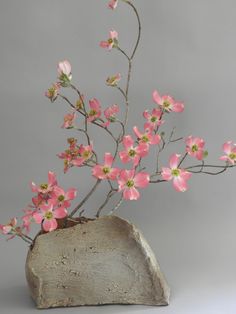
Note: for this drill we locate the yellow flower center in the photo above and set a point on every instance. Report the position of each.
(166, 104)
(130, 183)
(86, 154)
(48, 215)
(110, 41)
(153, 119)
(106, 170)
(175, 172)
(92, 113)
(44, 186)
(132, 153)
(61, 198)
(194, 148)
(232, 156)
(145, 139)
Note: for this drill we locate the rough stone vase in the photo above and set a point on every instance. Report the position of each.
(103, 261)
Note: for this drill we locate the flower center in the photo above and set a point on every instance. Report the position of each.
(132, 153)
(194, 148)
(61, 198)
(145, 139)
(86, 154)
(48, 215)
(92, 112)
(110, 41)
(175, 172)
(232, 156)
(106, 170)
(166, 104)
(130, 183)
(44, 186)
(153, 119)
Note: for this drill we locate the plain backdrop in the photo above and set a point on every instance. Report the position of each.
(187, 49)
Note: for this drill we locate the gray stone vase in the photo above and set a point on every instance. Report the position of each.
(102, 261)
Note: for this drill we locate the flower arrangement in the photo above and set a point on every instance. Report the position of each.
(50, 207)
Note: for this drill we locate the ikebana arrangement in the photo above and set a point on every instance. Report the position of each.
(50, 207)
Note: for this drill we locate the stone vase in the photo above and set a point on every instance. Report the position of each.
(102, 261)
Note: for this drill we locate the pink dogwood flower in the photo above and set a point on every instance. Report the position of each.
(85, 152)
(106, 171)
(195, 147)
(62, 198)
(179, 176)
(69, 120)
(110, 114)
(28, 219)
(154, 119)
(64, 72)
(147, 137)
(95, 110)
(10, 227)
(48, 217)
(129, 182)
(229, 149)
(53, 92)
(112, 4)
(112, 41)
(45, 188)
(132, 153)
(113, 80)
(167, 103)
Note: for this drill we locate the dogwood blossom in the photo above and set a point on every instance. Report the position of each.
(64, 72)
(129, 182)
(69, 120)
(229, 149)
(53, 92)
(131, 152)
(110, 114)
(106, 171)
(112, 4)
(147, 137)
(45, 188)
(179, 176)
(113, 80)
(95, 110)
(167, 103)
(195, 147)
(111, 42)
(48, 216)
(154, 119)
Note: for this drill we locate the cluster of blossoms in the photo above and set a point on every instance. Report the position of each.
(50, 203)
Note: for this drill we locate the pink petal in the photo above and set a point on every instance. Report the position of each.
(179, 184)
(49, 225)
(142, 179)
(128, 142)
(156, 97)
(38, 217)
(178, 107)
(104, 44)
(155, 139)
(113, 34)
(71, 194)
(52, 180)
(124, 157)
(94, 104)
(227, 147)
(60, 212)
(131, 194)
(137, 132)
(174, 161)
(108, 159)
(114, 173)
(166, 174)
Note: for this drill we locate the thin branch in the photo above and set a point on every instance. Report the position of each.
(85, 198)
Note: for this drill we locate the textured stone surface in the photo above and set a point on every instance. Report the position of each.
(105, 261)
